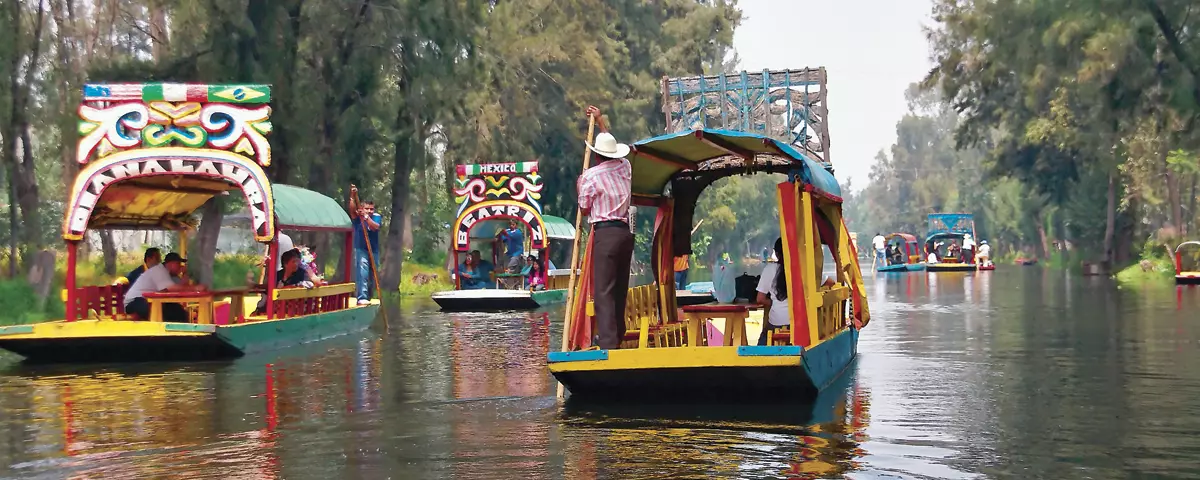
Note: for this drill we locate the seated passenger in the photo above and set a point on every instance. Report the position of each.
(536, 274)
(932, 258)
(772, 295)
(470, 278)
(292, 275)
(485, 270)
(160, 278)
(152, 257)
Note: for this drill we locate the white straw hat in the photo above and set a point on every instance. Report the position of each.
(607, 146)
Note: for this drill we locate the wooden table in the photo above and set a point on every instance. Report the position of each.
(203, 300)
(735, 321)
(236, 302)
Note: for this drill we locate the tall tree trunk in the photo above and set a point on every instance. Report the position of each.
(1191, 206)
(109, 246)
(159, 36)
(401, 178)
(1110, 222)
(206, 239)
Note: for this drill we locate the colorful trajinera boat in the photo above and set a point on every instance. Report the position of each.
(665, 352)
(1185, 275)
(909, 257)
(945, 228)
(152, 155)
(489, 196)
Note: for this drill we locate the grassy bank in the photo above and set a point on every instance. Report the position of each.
(409, 288)
(1149, 271)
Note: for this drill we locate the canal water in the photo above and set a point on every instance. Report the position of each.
(1017, 373)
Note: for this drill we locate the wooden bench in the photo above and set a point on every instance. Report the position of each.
(100, 302)
(643, 322)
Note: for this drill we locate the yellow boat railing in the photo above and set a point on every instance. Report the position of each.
(644, 327)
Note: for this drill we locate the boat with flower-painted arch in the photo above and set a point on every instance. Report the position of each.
(153, 155)
(489, 196)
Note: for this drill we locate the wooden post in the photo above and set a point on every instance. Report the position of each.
(457, 276)
(587, 160)
(72, 252)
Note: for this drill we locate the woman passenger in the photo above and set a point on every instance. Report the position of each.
(772, 295)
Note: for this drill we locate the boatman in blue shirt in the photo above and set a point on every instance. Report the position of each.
(363, 213)
(514, 246)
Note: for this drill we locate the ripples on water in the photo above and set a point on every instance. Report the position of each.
(1018, 373)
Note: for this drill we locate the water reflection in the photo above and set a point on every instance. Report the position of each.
(1016, 373)
(210, 419)
(747, 440)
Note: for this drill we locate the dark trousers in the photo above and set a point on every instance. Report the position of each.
(172, 312)
(767, 330)
(612, 250)
(681, 280)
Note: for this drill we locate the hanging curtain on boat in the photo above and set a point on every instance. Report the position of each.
(664, 260)
(581, 323)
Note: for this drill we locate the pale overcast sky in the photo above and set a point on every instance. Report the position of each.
(872, 50)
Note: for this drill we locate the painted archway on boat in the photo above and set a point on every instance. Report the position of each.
(477, 213)
(142, 205)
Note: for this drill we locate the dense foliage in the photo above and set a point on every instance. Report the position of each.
(1073, 120)
(384, 94)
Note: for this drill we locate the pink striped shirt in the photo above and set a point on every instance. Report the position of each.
(604, 191)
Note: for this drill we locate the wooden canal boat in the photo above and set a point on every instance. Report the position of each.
(665, 353)
(152, 155)
(1188, 276)
(489, 196)
(946, 227)
(910, 252)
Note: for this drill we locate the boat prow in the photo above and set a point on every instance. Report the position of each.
(133, 340)
(1188, 278)
(494, 299)
(950, 267)
(911, 267)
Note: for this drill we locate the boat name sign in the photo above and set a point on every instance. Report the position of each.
(462, 237)
(253, 189)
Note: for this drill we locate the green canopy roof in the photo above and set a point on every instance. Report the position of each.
(558, 227)
(303, 209)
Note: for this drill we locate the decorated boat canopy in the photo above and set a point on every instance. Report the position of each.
(656, 160)
(498, 191)
(154, 153)
(950, 225)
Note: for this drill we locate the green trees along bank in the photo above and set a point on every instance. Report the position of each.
(1060, 123)
(385, 94)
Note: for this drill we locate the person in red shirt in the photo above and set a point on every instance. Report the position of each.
(604, 194)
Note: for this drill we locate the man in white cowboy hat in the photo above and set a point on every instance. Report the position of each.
(604, 193)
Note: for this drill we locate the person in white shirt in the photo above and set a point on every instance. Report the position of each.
(772, 295)
(932, 258)
(985, 252)
(285, 245)
(160, 278)
(878, 243)
(968, 248)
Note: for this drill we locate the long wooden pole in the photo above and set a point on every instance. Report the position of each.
(370, 256)
(587, 161)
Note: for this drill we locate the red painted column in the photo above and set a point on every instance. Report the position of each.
(72, 252)
(273, 254)
(348, 254)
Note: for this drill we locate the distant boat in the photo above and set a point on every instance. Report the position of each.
(1190, 276)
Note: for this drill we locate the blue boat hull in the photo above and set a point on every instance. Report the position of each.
(911, 267)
